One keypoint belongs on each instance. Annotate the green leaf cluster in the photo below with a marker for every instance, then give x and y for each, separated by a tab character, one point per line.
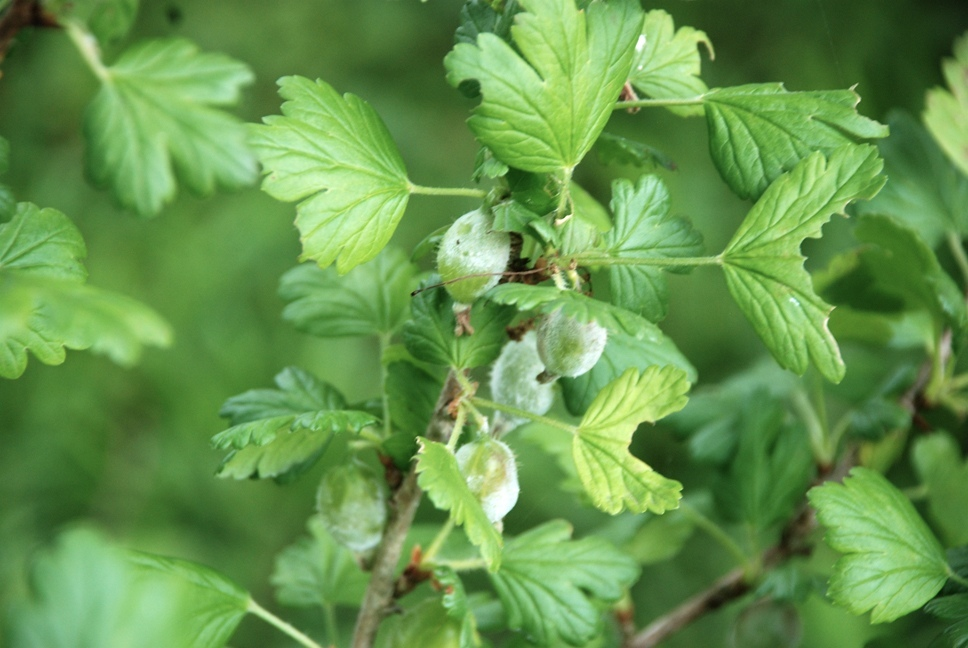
157	116
87	592
280	433
47	306
546	100
548	583
946	111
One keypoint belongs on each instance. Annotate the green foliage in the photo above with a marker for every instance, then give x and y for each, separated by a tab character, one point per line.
644	229
892	563
371	300
546	76
155	117
89	593
430	335
548	583
335	155
764	268
771	468
544	107
926	192
280	433
946	113
446	487
667	62
759	132
316	571
45	304
938	461
612	476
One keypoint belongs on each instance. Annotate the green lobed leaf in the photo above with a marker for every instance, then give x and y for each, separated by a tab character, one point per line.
108	20
667	62
939	464
315	570
480	17
87	592
621	352
946	111
156	117
336	156
763	265
892	564
430	337
771	468
45	306
214	604
612	476
644	229
545	102
280	433
411	394
924	190
549	583
758	132
441	478
373	299
548	299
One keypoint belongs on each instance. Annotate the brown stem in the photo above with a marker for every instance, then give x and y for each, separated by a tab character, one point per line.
377	603
20	14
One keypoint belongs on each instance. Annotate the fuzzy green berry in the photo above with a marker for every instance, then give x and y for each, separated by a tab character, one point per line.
351	501
514	382
472	247
568	347
492	475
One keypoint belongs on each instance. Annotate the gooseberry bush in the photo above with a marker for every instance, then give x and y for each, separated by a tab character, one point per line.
536	315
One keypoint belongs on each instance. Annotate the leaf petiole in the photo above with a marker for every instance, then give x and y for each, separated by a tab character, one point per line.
87	45
698	100
662	262
468	192
520	413
717	533
279	624
437	543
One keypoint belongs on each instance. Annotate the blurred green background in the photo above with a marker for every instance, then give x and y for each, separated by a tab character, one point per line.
127	449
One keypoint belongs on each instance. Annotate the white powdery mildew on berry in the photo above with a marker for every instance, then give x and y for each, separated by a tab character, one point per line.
472	247
492	475
569	347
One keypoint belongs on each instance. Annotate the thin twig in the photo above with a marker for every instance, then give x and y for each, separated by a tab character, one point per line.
377	603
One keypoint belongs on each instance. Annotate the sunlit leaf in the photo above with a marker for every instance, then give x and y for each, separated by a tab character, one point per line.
334	154
667	62
156	116
892	564
759	132
446	487
545	102
612	476
946	111
764	267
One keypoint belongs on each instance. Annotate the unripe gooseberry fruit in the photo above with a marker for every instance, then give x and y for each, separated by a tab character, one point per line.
351	501
514	381
425	625
568	347
492	475
471	246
